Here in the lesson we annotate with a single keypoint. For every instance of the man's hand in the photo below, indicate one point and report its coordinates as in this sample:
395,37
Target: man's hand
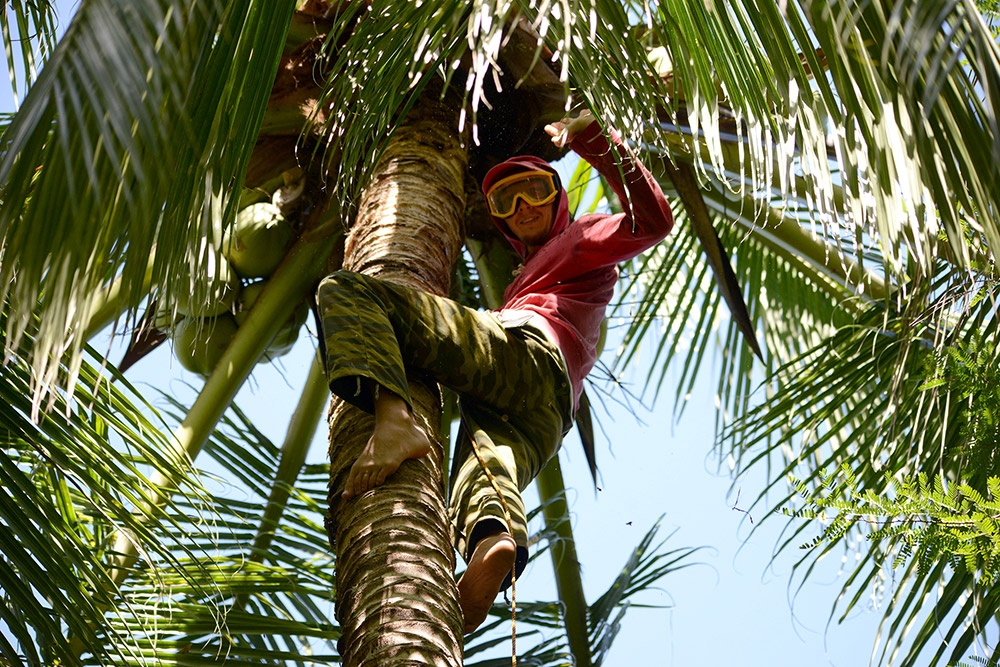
563,131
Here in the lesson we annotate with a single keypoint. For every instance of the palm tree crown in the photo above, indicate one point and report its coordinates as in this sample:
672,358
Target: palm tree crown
845,153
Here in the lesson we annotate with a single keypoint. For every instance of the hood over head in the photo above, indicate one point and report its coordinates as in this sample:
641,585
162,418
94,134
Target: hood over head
528,163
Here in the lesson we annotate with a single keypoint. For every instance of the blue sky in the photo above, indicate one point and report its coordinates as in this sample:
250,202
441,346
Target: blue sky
735,607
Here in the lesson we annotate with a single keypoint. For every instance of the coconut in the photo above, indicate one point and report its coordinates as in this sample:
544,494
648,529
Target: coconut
276,351
199,343
284,340
258,241
286,336
164,318
248,296
214,294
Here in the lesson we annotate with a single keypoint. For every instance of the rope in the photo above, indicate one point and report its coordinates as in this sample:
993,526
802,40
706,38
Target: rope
513,569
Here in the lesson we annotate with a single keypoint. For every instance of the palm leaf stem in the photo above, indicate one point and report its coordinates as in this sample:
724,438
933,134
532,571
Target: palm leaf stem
686,182
298,438
831,269
310,20
110,304
686,147
493,264
301,268
787,237
565,562
729,156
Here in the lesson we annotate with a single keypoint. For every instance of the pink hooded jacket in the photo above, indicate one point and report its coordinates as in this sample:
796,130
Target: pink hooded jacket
570,280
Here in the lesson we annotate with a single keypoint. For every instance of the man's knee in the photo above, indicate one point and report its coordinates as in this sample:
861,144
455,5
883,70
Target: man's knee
342,290
338,282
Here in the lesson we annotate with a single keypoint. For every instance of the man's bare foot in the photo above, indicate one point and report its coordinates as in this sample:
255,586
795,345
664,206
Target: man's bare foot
396,438
491,561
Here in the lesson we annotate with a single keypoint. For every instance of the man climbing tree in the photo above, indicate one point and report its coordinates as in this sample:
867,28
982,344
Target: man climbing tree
518,370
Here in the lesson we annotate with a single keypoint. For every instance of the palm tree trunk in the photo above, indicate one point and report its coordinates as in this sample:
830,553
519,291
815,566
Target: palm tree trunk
397,601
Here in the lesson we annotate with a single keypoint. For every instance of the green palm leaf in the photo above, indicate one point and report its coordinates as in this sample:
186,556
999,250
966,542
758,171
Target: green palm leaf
647,565
96,175
881,416
70,482
847,149
35,25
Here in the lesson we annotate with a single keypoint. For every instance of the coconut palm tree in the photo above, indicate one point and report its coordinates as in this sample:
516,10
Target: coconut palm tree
844,153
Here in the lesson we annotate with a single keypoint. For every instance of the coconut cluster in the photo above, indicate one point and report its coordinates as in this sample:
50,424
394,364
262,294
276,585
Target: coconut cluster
202,323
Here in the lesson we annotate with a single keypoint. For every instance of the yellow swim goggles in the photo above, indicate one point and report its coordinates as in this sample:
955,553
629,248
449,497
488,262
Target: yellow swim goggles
534,187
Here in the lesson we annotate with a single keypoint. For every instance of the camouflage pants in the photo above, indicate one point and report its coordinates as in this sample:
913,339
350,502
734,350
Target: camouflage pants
513,390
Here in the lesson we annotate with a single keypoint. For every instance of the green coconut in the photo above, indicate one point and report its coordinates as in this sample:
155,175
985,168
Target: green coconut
214,294
284,340
165,318
258,241
248,296
286,336
199,343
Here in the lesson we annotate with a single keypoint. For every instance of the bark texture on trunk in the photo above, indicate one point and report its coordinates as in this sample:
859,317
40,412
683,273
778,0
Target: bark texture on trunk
397,601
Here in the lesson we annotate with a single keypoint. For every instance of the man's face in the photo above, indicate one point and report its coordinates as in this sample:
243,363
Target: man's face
525,200
531,224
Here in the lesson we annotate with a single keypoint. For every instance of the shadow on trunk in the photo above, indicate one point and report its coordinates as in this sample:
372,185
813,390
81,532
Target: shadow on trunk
396,595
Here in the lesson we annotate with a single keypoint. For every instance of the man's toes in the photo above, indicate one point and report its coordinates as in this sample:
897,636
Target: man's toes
364,478
353,485
361,482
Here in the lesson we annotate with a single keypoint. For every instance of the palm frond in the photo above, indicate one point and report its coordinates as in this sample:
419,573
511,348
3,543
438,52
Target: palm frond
384,56
373,61
888,358
35,23
542,652
646,567
893,95
272,607
95,174
70,482
606,64
868,400
669,297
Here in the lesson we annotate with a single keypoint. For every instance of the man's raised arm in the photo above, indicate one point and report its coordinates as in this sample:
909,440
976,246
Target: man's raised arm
647,214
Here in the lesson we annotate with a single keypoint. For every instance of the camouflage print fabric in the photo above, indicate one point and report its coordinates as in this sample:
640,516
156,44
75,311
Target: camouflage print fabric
513,389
